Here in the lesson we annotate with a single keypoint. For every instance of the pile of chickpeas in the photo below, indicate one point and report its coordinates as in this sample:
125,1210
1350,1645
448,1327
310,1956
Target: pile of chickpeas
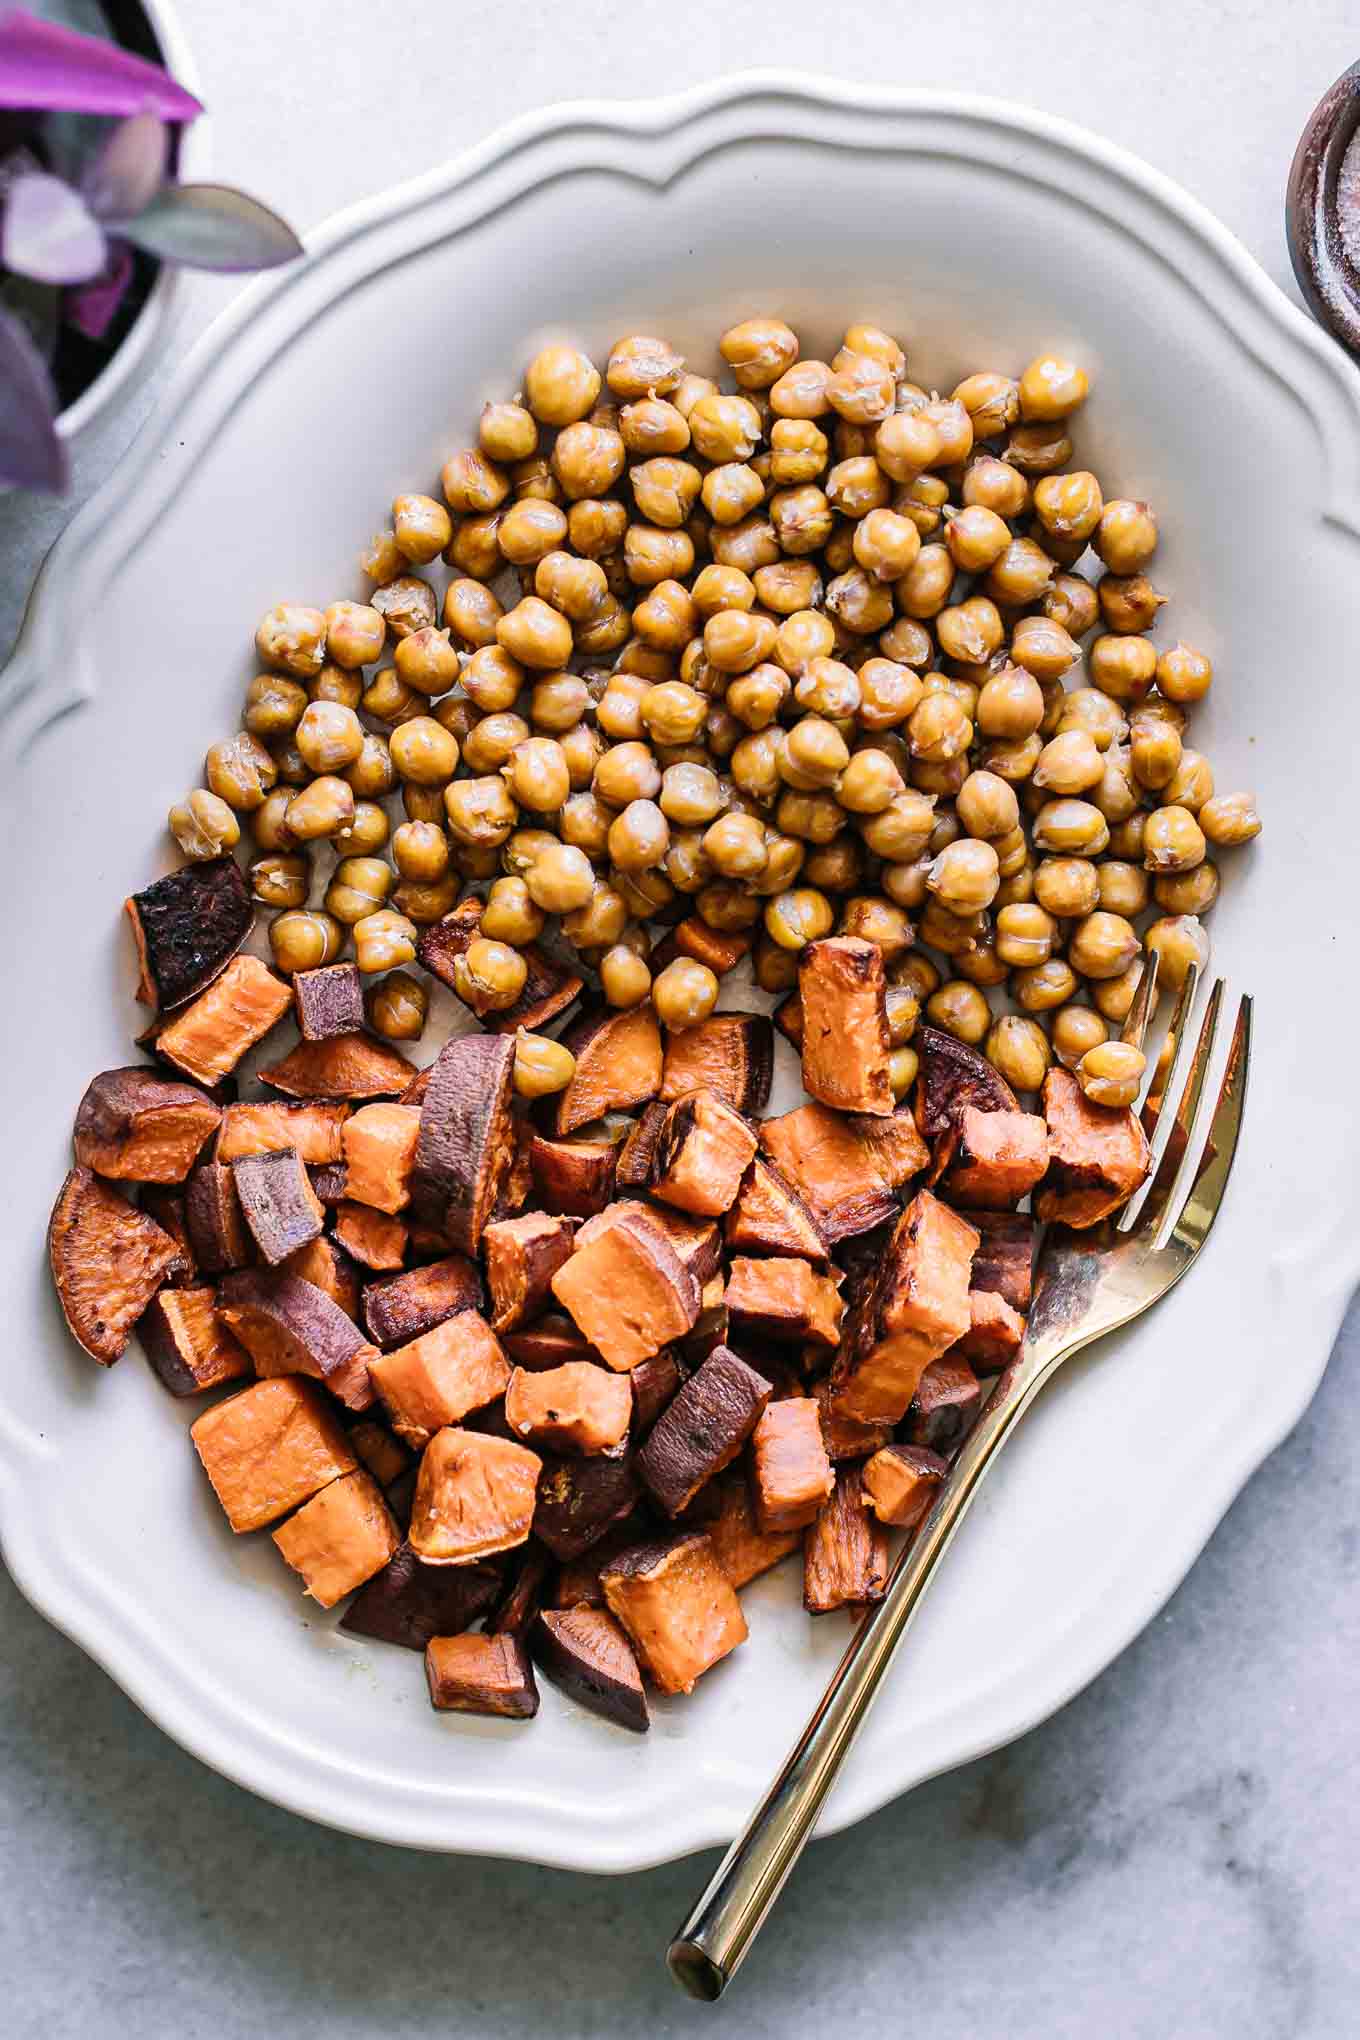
804,655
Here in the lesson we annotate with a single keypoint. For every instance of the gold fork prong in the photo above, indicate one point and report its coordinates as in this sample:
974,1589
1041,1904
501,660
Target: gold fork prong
1144,1000
1170,1054
1173,1129
1200,1208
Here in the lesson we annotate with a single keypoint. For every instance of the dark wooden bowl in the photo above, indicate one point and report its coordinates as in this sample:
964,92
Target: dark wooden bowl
1322,211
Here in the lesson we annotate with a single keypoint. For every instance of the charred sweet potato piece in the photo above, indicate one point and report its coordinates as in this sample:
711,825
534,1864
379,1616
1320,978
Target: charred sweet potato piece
314,1127
187,1345
139,1127
704,1152
731,1055
845,1551
791,1473
340,1538
518,1180
386,1458
212,1212
379,1146
466,1141
352,1066
108,1260
696,1241
628,1292
403,1307
845,1041
637,1150
187,926
550,1341
832,1167
945,1406
895,1143
474,1497
576,1408
954,1076
901,1482
515,1611
374,1238
208,1038
1004,1261
278,1203
769,1217
166,1206
1098,1155
914,1311
703,1429
783,1299
269,1448
328,1181
720,948
328,1001
481,1675
654,1383
584,1651
618,1066
438,1378
788,1018
993,1338
327,1267
573,1177
409,1602
710,1328
577,1581
846,1437
290,1327
741,1547
549,986
522,1256
579,1500
678,1608
999,1158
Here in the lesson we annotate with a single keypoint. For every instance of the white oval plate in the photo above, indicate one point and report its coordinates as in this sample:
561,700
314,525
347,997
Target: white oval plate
979,233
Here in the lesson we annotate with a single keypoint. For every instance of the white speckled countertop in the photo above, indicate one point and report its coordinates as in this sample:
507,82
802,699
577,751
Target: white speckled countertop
1170,1858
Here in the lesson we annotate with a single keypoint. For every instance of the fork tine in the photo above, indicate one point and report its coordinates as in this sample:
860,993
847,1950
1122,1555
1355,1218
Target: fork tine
1172,1129
1193,1226
1171,1051
1144,999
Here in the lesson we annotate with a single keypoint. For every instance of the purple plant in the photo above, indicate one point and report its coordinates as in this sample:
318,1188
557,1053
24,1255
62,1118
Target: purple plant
77,198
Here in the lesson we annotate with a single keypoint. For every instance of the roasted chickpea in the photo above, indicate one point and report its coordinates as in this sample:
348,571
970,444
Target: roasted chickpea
1123,888
281,880
652,426
204,826
1183,674
1172,841
273,705
365,833
587,460
596,530
860,388
652,554
801,519
725,428
422,803
1022,573
625,773
1177,940
1114,997
396,1007
561,879
489,976
673,713
869,783
474,549
1111,1072
735,846
294,637
389,700
961,1010
510,914
640,364
1102,945
1067,886
424,752
1228,819
335,683
492,742
600,922
1051,387
1069,764
801,391
420,850
1018,1048
382,558
964,876
561,385
1187,892
480,811
970,631
355,633
1128,602
1154,751
625,976
530,529
536,634
537,775
1075,1030
798,452
1072,603
507,433
473,485
976,537
987,807
684,993
815,754
938,729
901,831
1012,848
358,886
1126,536
875,919
240,772
1025,935
797,917
690,795
1043,985
639,838
471,612
906,444
1074,827
321,809
1039,449
304,941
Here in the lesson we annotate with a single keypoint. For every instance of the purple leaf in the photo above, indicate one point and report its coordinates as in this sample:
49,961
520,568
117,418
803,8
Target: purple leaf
31,454
49,232
130,168
211,226
46,67
90,306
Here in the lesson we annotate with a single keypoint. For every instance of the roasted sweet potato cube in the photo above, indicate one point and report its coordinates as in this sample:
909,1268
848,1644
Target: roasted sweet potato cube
208,1038
408,1602
846,1437
579,1500
954,1076
386,1458
769,1217
340,1538
730,1055
901,1482
654,1382
993,1338
677,1606
845,1552
549,987
575,1408
374,1238
781,1298
791,1474
1004,1261
1098,1155
466,1142
788,1018
895,1144
212,1213
618,1066
311,1126
573,1177
481,1675
915,1310
269,1448
637,1150
403,1306
832,1167
709,1329
328,1181
137,1126
741,1547
438,1378
288,1326
515,1611
704,1152
518,1181
343,1066
329,1001
186,926
278,1203
107,1259
379,1143
584,1651
720,948
164,1203
550,1341
999,1158
945,1405
187,1345
696,1242
474,1497
703,1429
328,1268
846,1044
628,1292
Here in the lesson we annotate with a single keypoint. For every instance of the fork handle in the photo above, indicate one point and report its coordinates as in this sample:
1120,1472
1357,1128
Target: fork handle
711,1945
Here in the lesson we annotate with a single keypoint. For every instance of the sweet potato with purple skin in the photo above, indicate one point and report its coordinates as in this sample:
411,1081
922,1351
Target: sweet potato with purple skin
386,1458
703,1429
187,926
518,1180
618,1066
404,1306
846,1045
769,1217
212,1212
1004,1260
481,1675
845,1551
729,1054
952,1077
466,1141
329,1182
914,1311
901,1483
352,1066
328,1001
696,1242
208,1038
782,1298
654,1383
945,1406
187,1345
519,1605
628,1291
999,1158
278,1203
340,1538
268,1448
439,1378
846,1437
313,1126
326,1265
108,1259
579,1500
409,1602
678,1608
289,1327
702,1156
791,1474
586,1654
165,1204
137,1126
1098,1155
573,1177
741,1547
833,1168
550,1341
637,1151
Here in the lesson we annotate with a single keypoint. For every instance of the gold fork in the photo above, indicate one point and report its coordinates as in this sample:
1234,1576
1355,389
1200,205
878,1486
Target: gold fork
1087,1284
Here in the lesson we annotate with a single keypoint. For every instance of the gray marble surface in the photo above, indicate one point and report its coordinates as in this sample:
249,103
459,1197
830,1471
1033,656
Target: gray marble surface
1173,1854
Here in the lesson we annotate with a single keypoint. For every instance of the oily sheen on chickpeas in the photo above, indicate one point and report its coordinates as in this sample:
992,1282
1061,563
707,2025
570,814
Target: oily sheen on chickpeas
773,644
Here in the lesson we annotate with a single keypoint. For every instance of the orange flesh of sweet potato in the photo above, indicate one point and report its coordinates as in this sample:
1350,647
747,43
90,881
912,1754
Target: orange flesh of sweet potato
1098,1155
136,1126
678,1607
784,1299
729,1054
575,1408
108,1260
846,1044
340,1538
628,1293
522,1256
313,1129
472,1674
915,1310
845,1551
704,1152
999,1159
344,1066
696,1242
790,1471
322,1264
474,1495
290,1327
832,1167
441,1376
574,1178
269,1448
379,1144
187,1345
618,1066
721,949
846,1437
375,1238
895,1143
741,1547
902,1481
238,1009
993,1338
769,1217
